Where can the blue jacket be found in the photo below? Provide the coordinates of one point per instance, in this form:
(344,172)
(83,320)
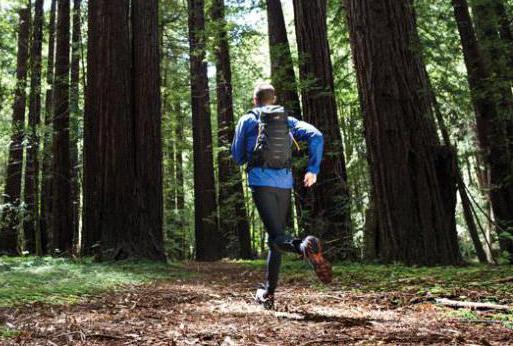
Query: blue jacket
(245,139)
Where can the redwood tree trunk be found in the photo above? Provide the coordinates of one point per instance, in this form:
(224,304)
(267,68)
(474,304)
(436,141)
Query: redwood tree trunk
(282,67)
(109,205)
(148,233)
(12,192)
(46,182)
(123,186)
(326,207)
(62,221)
(76,41)
(492,126)
(111,100)
(31,192)
(233,217)
(412,175)
(284,82)
(206,231)
(180,188)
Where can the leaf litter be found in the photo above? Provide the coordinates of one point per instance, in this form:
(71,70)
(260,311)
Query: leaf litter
(215,307)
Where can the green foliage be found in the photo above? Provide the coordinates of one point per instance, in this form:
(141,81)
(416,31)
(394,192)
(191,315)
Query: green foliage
(429,282)
(59,281)
(6,333)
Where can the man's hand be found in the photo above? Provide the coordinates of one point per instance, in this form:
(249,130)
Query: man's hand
(310,179)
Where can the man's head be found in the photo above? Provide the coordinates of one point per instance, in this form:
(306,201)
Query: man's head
(264,94)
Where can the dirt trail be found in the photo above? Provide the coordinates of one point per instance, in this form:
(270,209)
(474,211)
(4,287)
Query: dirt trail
(216,308)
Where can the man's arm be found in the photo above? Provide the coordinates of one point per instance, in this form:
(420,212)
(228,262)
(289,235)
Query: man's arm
(239,142)
(303,131)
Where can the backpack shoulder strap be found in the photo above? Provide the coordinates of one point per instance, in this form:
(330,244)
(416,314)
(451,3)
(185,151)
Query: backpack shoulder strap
(254,112)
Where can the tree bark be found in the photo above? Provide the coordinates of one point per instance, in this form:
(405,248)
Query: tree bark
(149,233)
(12,192)
(326,207)
(282,67)
(123,153)
(31,191)
(206,219)
(233,217)
(108,129)
(101,67)
(284,81)
(62,222)
(506,34)
(76,114)
(412,175)
(466,204)
(180,188)
(492,127)
(46,182)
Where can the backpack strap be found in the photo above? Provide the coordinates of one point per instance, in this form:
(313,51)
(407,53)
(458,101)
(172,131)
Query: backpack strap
(255,113)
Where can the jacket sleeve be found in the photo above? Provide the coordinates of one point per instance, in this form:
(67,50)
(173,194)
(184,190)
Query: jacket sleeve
(239,142)
(305,132)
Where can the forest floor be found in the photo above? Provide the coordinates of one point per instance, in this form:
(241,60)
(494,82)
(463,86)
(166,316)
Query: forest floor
(211,304)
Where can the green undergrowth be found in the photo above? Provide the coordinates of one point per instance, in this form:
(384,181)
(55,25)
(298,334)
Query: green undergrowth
(60,281)
(6,332)
(432,281)
(505,319)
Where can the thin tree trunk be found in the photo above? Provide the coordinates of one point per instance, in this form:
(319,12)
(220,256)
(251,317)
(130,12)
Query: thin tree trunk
(62,221)
(234,222)
(76,41)
(462,189)
(46,182)
(99,67)
(180,189)
(506,34)
(12,193)
(491,126)
(206,231)
(282,67)
(326,207)
(31,191)
(412,175)
(284,82)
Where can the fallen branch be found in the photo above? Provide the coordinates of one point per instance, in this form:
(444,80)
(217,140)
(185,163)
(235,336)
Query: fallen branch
(472,305)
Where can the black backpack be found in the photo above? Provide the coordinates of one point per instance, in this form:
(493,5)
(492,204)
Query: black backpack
(273,146)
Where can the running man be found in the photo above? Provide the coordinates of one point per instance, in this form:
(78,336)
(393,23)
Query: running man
(263,140)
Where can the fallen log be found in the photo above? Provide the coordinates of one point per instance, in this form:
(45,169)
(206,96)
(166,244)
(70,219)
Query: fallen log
(472,305)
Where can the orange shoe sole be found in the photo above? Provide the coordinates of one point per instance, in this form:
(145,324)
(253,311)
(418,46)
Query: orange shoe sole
(321,266)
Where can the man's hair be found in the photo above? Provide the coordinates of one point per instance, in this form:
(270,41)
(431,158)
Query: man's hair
(264,93)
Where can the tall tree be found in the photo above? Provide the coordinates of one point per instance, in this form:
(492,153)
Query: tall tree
(147,121)
(46,174)
(31,191)
(62,222)
(76,42)
(206,230)
(179,181)
(233,218)
(122,141)
(282,66)
(284,81)
(412,175)
(12,193)
(492,126)
(94,101)
(325,209)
